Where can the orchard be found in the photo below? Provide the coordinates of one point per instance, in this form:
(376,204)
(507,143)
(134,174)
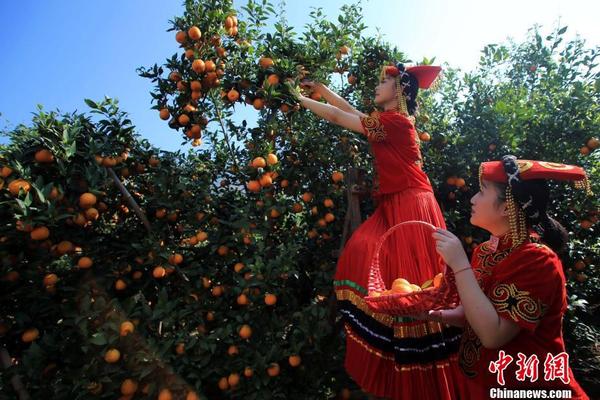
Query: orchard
(131,272)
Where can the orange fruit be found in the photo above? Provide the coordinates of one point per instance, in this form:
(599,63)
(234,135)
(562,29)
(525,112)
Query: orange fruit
(233,380)
(259,162)
(223,384)
(248,372)
(15,186)
(265,62)
(328,203)
(126,328)
(232,350)
(165,394)
(199,67)
(180,37)
(581,277)
(272,159)
(159,272)
(344,49)
(253,186)
(266,181)
(85,262)
(273,80)
(91,214)
(176,259)
(192,396)
(586,224)
(228,23)
(579,265)
(401,285)
(210,66)
(65,247)
(180,348)
(307,197)
(183,120)
(189,54)
(242,300)
(438,280)
(274,213)
(40,233)
(233,95)
(315,96)
(297,208)
(593,143)
(175,76)
(128,387)
(451,181)
(273,370)
(196,86)
(120,284)
(258,103)
(112,356)
(352,79)
(337,176)
(270,299)
(425,137)
(87,200)
(194,33)
(238,267)
(223,250)
(329,217)
(460,182)
(50,280)
(5,171)
(295,360)
(44,156)
(160,213)
(217,291)
(30,335)
(584,150)
(201,236)
(245,332)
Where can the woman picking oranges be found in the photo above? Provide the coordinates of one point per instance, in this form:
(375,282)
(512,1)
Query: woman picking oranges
(387,356)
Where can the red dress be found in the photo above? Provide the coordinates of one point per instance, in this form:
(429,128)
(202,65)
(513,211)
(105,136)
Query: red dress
(393,357)
(526,285)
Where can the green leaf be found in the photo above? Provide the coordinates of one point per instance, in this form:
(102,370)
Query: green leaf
(98,339)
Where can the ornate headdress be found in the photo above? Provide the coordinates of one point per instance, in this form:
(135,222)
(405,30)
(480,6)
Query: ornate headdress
(425,75)
(520,203)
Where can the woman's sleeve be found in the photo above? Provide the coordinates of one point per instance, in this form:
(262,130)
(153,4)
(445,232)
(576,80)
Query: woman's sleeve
(524,290)
(377,127)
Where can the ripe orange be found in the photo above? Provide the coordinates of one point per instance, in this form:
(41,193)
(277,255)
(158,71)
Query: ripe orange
(401,285)
(198,66)
(210,66)
(91,214)
(265,62)
(584,150)
(160,213)
(329,217)
(273,80)
(259,162)
(44,156)
(258,103)
(315,96)
(233,380)
(451,181)
(307,197)
(228,23)
(85,262)
(245,332)
(233,95)
(337,176)
(87,200)
(270,299)
(175,259)
(5,171)
(242,300)
(180,348)
(579,265)
(194,33)
(273,370)
(126,328)
(217,291)
(189,54)
(223,250)
(344,49)
(425,137)
(120,284)
(165,394)
(112,356)
(232,350)
(175,76)
(352,79)
(159,272)
(248,372)
(272,159)
(586,224)
(50,280)
(196,86)
(201,236)
(266,180)
(460,182)
(30,335)
(180,37)
(15,186)
(128,387)
(295,360)
(297,208)
(64,247)
(593,143)
(183,120)
(253,186)
(192,396)
(238,267)
(274,213)
(328,203)
(223,384)
(40,233)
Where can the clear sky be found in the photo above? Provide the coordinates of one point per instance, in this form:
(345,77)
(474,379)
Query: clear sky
(57,53)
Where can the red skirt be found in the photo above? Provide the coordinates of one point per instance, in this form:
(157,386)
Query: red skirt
(396,357)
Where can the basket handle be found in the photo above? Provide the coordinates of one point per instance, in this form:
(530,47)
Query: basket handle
(375,280)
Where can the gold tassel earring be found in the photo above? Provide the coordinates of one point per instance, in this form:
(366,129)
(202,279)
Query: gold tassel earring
(402,108)
(516,219)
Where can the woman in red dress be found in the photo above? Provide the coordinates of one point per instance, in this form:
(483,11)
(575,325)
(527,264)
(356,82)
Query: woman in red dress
(391,357)
(513,292)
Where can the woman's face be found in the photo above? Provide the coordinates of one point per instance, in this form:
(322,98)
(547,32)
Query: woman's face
(487,210)
(385,92)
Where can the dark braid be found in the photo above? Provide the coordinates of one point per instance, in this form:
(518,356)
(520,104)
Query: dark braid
(411,88)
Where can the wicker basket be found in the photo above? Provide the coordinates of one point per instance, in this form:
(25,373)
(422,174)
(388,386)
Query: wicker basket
(409,304)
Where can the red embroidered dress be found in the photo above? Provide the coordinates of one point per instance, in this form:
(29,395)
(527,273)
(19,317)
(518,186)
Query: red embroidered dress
(526,285)
(393,357)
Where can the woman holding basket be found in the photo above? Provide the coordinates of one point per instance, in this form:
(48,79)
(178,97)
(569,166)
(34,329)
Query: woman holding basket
(387,356)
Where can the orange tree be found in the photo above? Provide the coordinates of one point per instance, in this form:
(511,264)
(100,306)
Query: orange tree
(129,271)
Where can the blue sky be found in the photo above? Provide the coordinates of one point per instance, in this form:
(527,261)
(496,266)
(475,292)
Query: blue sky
(57,53)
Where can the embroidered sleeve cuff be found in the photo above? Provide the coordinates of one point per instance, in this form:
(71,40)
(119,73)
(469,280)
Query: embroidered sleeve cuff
(517,306)
(373,128)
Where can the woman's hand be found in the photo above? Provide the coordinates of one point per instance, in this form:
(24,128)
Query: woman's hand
(450,248)
(312,85)
(431,315)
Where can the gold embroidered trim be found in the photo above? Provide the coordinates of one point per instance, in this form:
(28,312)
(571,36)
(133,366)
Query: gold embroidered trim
(348,295)
(518,304)
(374,128)
(417,331)
(366,346)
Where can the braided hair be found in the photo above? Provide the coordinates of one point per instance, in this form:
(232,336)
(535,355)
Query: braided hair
(410,88)
(532,197)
